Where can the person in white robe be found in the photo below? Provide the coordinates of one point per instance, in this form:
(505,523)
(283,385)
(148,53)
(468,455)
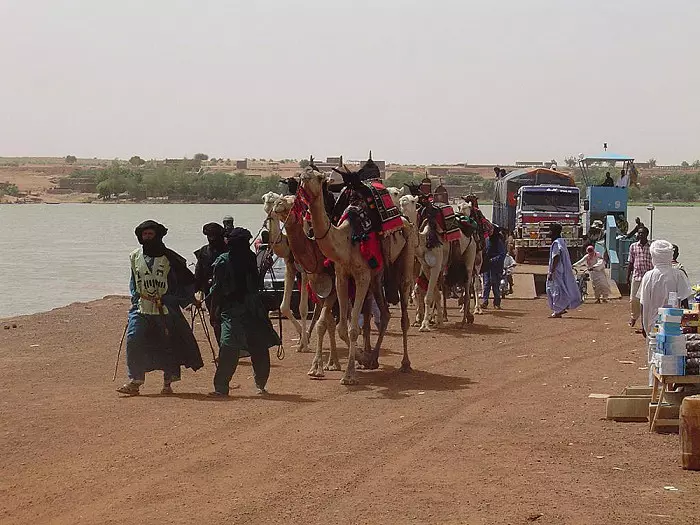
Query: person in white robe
(658,283)
(595,265)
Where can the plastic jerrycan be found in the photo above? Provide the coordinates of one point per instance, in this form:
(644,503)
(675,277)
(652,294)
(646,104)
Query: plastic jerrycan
(690,432)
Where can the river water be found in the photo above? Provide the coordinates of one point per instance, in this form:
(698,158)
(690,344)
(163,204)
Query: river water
(53,255)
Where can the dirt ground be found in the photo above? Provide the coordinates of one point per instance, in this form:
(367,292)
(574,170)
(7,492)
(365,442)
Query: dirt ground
(493,426)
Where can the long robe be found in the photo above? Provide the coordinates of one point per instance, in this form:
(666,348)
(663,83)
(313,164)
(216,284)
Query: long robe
(245,323)
(654,290)
(596,269)
(149,346)
(562,289)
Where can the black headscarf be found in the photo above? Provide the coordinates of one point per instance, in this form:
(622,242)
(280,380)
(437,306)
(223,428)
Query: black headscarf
(242,259)
(215,230)
(155,248)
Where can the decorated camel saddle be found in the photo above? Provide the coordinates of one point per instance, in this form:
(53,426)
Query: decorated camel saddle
(443,214)
(366,204)
(365,185)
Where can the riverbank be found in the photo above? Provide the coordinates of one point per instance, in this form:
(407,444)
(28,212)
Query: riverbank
(493,426)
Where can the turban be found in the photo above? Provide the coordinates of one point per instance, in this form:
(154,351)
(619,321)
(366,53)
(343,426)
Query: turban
(661,253)
(214,229)
(161,231)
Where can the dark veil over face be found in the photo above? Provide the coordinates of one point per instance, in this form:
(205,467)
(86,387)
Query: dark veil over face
(242,259)
(152,247)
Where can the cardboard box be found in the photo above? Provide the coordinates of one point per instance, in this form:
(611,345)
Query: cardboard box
(667,419)
(628,408)
(669,365)
(637,390)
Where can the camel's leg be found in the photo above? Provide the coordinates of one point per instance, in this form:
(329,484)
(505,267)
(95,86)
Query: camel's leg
(341,286)
(304,314)
(433,283)
(314,319)
(404,292)
(385,315)
(285,308)
(316,369)
(333,360)
(361,286)
(441,303)
(363,356)
(470,258)
(420,305)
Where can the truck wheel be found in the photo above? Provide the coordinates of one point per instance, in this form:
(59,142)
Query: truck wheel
(519,255)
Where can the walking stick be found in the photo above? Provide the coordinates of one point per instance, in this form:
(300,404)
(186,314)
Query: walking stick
(119,352)
(206,333)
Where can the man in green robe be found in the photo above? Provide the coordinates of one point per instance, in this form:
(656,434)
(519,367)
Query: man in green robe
(245,325)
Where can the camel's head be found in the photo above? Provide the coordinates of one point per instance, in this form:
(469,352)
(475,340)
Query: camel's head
(282,207)
(465,209)
(269,200)
(395,194)
(408,204)
(312,180)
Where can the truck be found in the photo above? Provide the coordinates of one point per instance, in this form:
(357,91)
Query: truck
(528,200)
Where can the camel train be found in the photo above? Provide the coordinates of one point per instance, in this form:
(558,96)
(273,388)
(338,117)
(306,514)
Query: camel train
(370,247)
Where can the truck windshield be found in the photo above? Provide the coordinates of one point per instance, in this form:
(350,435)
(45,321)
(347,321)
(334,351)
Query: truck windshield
(550,201)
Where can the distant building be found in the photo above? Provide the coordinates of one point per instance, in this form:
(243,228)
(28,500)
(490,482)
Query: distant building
(529,164)
(441,171)
(242,164)
(77,184)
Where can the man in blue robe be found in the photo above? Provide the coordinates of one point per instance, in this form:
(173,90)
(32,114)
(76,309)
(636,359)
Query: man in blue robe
(158,336)
(562,291)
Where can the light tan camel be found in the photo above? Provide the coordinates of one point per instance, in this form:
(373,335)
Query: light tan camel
(307,253)
(430,262)
(335,243)
(281,247)
(433,262)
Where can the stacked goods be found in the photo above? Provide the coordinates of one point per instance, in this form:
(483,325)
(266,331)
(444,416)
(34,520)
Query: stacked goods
(690,322)
(669,357)
(692,366)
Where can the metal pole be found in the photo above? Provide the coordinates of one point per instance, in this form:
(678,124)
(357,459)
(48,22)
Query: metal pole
(651,209)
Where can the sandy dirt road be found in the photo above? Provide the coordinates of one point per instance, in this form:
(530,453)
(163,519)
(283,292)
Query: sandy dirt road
(493,426)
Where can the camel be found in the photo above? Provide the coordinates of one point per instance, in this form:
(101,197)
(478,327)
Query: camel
(307,253)
(280,245)
(476,287)
(336,244)
(434,257)
(431,257)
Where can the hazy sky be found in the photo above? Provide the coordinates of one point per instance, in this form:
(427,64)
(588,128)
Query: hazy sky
(415,81)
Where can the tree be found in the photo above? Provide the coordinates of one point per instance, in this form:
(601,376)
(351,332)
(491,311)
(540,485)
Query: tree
(136,161)
(652,162)
(201,156)
(696,164)
(70,159)
(213,160)
(571,161)
(399,178)
(685,164)
(303,163)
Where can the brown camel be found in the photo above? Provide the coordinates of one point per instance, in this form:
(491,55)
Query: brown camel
(280,245)
(309,257)
(335,243)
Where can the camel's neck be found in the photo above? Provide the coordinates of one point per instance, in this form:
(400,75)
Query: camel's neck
(278,240)
(327,235)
